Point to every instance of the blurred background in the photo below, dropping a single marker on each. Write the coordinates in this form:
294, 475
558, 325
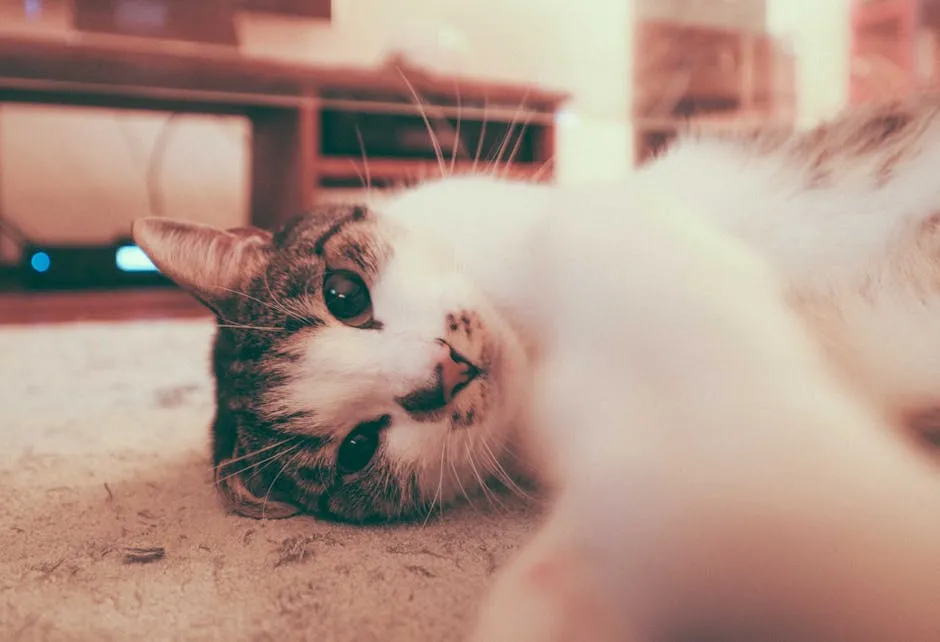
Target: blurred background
237, 112
233, 112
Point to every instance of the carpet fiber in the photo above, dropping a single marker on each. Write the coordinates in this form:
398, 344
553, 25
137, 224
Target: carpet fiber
110, 529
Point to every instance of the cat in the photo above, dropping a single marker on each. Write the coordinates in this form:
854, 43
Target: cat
359, 373
716, 479
374, 362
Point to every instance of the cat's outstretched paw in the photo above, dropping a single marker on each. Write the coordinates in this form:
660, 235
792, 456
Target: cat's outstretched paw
926, 427
546, 594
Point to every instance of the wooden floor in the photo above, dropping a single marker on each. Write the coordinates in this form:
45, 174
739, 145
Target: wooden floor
22, 307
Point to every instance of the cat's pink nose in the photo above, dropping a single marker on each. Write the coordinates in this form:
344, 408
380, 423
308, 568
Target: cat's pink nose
455, 371
452, 373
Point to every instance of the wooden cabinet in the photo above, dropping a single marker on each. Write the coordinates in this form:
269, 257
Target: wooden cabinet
311, 126
384, 138
706, 78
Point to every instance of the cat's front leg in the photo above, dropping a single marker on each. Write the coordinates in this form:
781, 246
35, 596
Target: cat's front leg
926, 426
548, 593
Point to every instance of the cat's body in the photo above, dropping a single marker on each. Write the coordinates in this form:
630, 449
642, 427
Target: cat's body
373, 364
849, 216
716, 480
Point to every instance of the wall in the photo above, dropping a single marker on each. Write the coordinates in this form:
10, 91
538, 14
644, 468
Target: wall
746, 14
819, 33
80, 175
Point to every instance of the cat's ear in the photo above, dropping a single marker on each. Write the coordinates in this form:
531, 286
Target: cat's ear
209, 263
246, 498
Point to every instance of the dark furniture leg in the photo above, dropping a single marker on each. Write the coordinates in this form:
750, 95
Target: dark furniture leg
283, 144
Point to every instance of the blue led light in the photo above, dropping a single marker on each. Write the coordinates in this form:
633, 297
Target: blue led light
40, 262
130, 258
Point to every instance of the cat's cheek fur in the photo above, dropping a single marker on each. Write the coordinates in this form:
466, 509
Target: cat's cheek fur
416, 443
335, 377
348, 376
547, 595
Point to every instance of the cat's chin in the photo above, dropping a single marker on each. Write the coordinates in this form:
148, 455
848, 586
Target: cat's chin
456, 457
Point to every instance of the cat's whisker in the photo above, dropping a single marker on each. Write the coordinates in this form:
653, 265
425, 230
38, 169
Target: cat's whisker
278, 305
403, 486
444, 461
438, 496
265, 304
365, 162
509, 134
459, 148
493, 463
244, 295
258, 451
537, 175
463, 489
512, 453
490, 496
417, 494
259, 465
504, 477
284, 466
387, 479
457, 142
405, 490
476, 157
359, 174
274, 303
507, 166
438, 152
273, 460
242, 326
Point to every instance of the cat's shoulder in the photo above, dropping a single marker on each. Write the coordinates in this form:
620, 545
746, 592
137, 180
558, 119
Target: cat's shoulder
875, 142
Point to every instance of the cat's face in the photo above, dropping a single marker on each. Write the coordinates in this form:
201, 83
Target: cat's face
360, 374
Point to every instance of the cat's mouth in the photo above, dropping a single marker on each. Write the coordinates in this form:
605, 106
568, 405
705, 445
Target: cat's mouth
449, 379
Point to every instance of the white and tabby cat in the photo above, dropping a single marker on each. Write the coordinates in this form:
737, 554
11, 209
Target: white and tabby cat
715, 479
715, 475
373, 363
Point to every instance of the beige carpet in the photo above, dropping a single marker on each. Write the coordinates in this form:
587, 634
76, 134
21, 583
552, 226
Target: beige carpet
104, 450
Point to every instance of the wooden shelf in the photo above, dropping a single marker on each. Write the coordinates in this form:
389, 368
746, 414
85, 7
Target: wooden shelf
520, 115
27, 307
389, 169
309, 123
119, 64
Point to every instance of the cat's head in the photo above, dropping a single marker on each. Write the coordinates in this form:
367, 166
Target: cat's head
360, 374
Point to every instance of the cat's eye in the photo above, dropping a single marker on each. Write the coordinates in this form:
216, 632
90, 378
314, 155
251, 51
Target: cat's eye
347, 298
360, 446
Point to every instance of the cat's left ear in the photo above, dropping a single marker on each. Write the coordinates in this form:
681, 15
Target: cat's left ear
210, 263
